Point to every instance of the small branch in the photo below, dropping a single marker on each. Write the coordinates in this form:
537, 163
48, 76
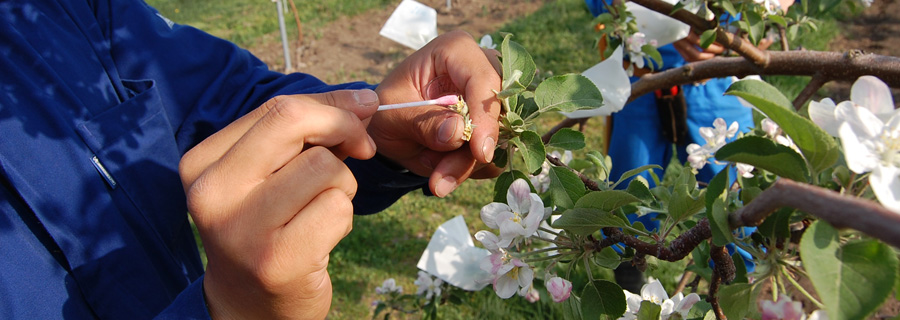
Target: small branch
783, 36
675, 251
818, 80
685, 279
838, 210
714, 285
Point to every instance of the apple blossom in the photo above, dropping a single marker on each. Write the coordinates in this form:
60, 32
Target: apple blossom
654, 292
389, 286
519, 218
867, 92
558, 288
487, 42
531, 295
783, 309
715, 137
428, 285
871, 145
509, 273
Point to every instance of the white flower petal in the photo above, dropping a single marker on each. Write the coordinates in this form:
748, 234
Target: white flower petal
518, 196
490, 212
871, 93
885, 182
822, 114
488, 239
654, 290
505, 287
860, 159
864, 122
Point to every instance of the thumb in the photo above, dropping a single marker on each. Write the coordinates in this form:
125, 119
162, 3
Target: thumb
363, 102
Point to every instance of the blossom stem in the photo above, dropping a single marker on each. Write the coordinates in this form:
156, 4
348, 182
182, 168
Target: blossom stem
534, 252
803, 291
553, 257
549, 231
587, 268
564, 244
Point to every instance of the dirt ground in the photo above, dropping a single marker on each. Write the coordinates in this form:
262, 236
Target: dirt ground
351, 49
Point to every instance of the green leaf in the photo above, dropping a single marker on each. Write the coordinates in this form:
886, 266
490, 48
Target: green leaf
606, 200
568, 139
584, 221
565, 187
649, 311
766, 154
572, 308
777, 224
601, 298
504, 181
607, 258
653, 53
738, 300
709, 36
635, 171
729, 8
515, 57
715, 209
757, 26
682, 205
853, 280
532, 149
816, 145
776, 19
567, 93
640, 190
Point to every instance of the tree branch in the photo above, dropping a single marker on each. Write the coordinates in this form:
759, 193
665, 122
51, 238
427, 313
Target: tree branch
839, 210
817, 81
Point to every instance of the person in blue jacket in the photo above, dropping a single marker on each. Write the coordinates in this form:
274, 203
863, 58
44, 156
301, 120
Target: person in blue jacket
115, 122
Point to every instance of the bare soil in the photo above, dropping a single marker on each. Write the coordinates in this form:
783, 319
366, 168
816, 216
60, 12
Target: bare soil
877, 31
351, 49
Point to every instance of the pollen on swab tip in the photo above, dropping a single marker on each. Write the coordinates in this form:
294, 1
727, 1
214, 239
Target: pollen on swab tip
442, 101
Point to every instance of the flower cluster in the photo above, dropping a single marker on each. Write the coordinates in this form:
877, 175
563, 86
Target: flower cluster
715, 136
654, 292
869, 129
517, 220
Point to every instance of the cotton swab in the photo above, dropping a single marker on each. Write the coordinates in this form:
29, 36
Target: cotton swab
442, 101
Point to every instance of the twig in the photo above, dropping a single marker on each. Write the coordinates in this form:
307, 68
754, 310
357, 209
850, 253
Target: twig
723, 271
683, 282
818, 80
783, 36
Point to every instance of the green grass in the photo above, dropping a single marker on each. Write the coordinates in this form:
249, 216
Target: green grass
245, 22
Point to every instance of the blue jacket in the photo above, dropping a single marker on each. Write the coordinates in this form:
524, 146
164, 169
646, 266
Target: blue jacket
99, 100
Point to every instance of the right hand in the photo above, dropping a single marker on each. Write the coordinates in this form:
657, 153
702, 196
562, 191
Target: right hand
270, 196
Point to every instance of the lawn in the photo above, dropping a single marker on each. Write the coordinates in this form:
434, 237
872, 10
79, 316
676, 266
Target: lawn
388, 244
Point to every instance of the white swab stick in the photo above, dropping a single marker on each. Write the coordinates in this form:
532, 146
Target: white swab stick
442, 101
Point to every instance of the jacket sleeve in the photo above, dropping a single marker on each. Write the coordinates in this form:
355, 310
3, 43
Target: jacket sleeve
205, 84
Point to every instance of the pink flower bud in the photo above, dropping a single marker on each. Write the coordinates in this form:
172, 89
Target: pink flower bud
559, 288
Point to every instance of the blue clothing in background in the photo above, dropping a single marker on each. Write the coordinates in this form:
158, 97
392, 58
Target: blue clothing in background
637, 139
98, 102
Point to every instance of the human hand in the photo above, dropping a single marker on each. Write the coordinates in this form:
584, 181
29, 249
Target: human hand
270, 196
428, 140
690, 49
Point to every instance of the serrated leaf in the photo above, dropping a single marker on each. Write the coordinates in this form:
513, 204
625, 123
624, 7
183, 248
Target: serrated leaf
602, 299
606, 200
766, 154
531, 148
584, 221
635, 171
777, 19
568, 139
654, 54
640, 190
729, 8
565, 187
816, 145
515, 57
715, 209
853, 280
567, 93
708, 36
607, 258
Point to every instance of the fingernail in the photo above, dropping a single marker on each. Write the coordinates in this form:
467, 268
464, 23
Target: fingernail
372, 142
445, 186
487, 148
447, 129
365, 97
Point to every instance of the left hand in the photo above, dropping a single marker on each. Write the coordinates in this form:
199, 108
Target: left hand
428, 140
